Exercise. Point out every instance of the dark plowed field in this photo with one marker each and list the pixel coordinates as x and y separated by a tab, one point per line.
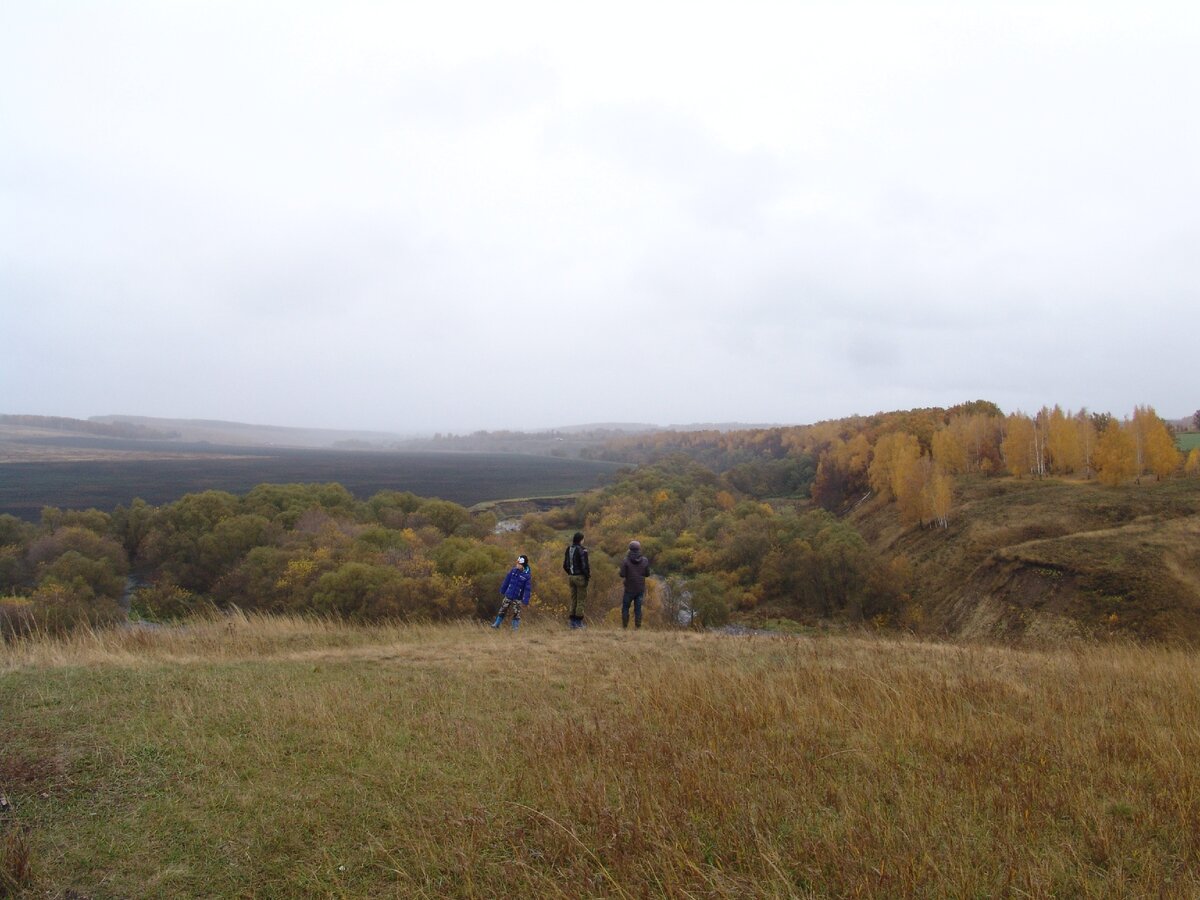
465	478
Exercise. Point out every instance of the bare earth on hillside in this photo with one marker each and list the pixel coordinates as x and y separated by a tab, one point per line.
13	449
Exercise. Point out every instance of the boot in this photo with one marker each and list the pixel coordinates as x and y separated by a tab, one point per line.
499	619
516	624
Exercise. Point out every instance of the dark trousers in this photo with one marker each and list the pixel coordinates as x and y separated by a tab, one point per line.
636	600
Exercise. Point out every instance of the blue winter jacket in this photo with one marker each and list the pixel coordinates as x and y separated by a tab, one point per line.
517	585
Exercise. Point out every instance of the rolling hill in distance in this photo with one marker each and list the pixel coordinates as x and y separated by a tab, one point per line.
223	432
165	432
214	431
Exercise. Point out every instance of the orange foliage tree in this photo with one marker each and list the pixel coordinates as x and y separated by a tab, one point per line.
1087	435
1192	466
1018	446
1155	446
1116	454
1062	443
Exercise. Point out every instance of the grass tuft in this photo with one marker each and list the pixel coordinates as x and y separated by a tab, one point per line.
16	866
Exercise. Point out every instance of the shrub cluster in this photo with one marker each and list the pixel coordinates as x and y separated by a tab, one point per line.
314	548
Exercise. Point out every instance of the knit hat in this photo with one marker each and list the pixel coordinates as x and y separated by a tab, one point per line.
635	546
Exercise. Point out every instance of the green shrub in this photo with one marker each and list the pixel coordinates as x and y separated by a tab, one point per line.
166	601
710	605
57	607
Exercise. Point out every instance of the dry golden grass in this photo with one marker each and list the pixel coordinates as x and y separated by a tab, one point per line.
281	757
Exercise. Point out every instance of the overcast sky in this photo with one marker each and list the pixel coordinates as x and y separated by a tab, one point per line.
450	216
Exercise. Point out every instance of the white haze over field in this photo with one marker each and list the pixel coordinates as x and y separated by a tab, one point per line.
416	217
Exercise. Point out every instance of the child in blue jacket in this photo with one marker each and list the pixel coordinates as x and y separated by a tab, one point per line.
515	590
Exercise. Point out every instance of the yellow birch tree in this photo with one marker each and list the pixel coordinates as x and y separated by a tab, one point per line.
949	451
888	449
858	451
1017	446
982	435
1116	453
1085	430
896	473
1041	430
1160	455
938	496
1062	443
910	472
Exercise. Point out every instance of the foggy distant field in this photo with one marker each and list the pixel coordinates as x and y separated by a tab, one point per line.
466	478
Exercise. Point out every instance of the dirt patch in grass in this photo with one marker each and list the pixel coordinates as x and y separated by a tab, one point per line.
31	762
19	771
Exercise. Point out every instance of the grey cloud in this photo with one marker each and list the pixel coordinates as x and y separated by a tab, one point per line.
478	92
723	188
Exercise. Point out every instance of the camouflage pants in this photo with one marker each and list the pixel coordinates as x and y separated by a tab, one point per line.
506	604
579	586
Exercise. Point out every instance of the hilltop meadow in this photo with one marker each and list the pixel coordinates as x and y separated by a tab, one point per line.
968	668
255	756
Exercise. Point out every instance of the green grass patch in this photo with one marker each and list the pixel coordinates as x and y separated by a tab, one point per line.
785	626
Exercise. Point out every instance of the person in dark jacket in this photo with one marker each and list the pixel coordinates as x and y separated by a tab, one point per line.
514	592
579	573
635	569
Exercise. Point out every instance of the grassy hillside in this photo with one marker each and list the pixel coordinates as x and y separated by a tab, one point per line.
277	757
219	432
1052	558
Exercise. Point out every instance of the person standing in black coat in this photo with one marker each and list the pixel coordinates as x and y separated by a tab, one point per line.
635	569
579	573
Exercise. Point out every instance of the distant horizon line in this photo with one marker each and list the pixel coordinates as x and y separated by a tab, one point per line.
434	433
